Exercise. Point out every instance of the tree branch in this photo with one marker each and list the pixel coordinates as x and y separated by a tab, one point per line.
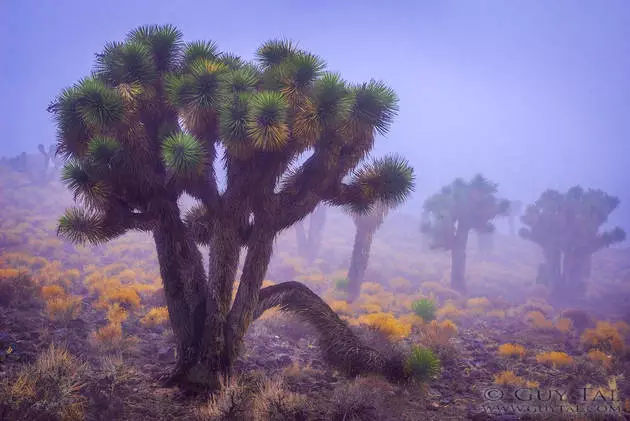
340	345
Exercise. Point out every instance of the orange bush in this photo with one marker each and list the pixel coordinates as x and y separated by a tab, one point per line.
554	358
511	350
52	291
439	333
341	307
604	336
508	378
108	337
564	324
155	317
117	314
598	356
387	324
64	308
538	320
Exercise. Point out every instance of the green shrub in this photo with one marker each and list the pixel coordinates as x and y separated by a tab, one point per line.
424	308
422	364
342	284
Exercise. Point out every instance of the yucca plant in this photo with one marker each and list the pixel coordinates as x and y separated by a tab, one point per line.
392	170
422	364
457	209
148	125
425	308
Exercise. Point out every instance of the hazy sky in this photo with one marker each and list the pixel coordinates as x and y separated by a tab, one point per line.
533	93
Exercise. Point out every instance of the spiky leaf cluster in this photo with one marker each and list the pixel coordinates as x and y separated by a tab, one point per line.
146	124
462	205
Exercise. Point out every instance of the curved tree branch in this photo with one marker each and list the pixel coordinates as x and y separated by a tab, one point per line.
340	345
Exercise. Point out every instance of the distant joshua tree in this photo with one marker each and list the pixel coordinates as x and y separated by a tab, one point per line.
367	224
144	128
41	169
309	243
568	228
456	210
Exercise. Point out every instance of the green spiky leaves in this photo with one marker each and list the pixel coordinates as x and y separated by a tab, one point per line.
183	155
375	106
422	364
86	108
244	79
274	52
80	227
196	50
126	63
104	152
267	121
389	180
301	70
234	125
163	41
331	100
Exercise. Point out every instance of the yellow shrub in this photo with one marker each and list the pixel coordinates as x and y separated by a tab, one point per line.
604	336
508	378
64	308
371	308
554	358
267	283
123	294
478	302
598	356
371	288
564	324
341	307
400	284
538	320
448	311
117	314
52	291
155	317
412	319
622	327
108	337
510	350
439	333
387	324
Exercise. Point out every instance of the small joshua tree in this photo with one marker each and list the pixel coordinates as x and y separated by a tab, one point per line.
567	226
368	223
38	168
309	243
147	127
456	210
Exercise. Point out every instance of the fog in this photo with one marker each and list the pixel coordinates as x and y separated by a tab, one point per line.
533	94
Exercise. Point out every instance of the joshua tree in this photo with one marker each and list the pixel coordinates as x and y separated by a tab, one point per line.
567	227
515	211
148	125
37	167
310	243
456	210
367	224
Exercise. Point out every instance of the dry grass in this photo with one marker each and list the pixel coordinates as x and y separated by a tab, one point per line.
48	389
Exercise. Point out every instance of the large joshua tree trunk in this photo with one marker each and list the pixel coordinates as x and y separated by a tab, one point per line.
458	261
359	260
184	282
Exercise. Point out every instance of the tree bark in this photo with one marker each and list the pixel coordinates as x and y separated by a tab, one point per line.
259	251
359	260
184	279
458	261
